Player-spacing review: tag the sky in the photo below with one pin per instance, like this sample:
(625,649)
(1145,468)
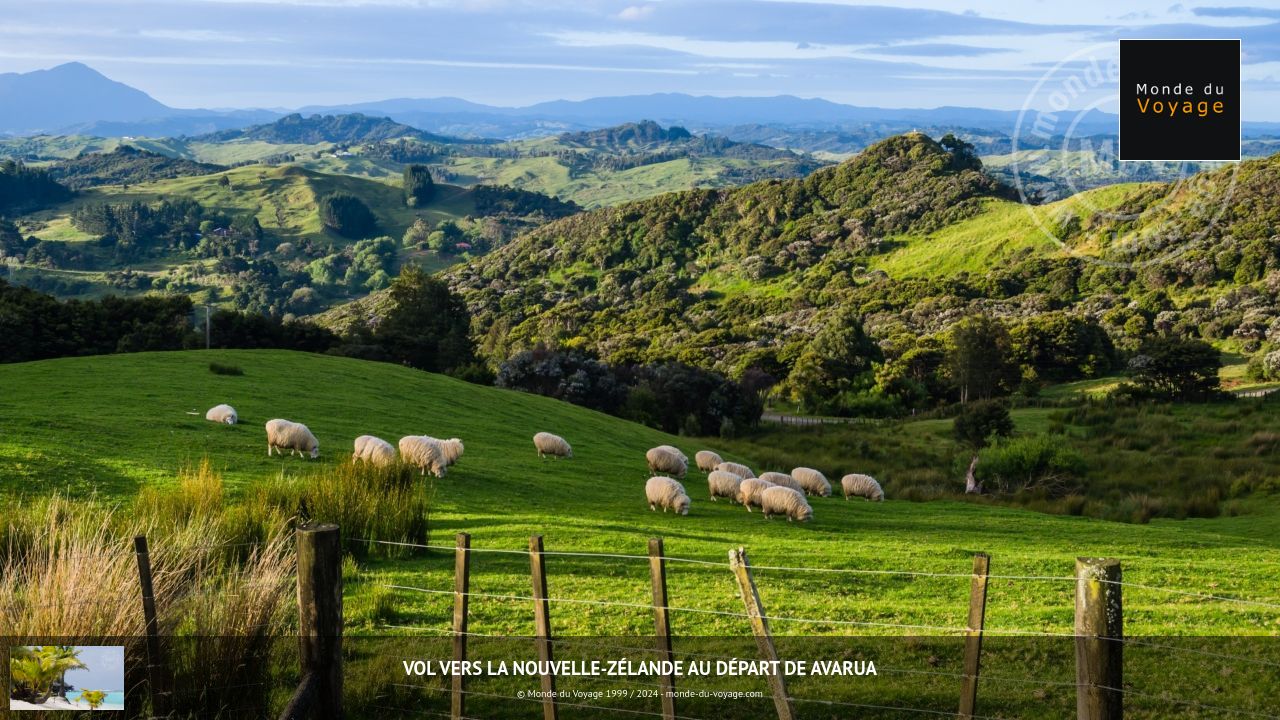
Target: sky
(106,669)
(900,53)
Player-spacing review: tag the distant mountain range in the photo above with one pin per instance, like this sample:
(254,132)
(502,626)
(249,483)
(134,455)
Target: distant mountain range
(76,99)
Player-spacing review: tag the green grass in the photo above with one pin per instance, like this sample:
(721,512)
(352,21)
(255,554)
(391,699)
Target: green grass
(106,426)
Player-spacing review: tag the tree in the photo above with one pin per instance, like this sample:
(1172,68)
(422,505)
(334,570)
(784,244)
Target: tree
(94,698)
(347,215)
(829,366)
(418,186)
(980,358)
(1174,368)
(428,326)
(974,427)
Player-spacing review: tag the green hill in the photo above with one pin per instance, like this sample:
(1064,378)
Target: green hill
(105,426)
(348,128)
(125,165)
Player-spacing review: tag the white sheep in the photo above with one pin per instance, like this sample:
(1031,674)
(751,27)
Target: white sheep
(863,486)
(707,460)
(677,451)
(749,492)
(222,414)
(666,459)
(785,501)
(295,437)
(552,445)
(738,469)
(424,453)
(783,479)
(452,450)
(813,482)
(723,484)
(666,493)
(373,450)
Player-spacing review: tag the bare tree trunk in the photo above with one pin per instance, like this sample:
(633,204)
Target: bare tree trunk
(971,484)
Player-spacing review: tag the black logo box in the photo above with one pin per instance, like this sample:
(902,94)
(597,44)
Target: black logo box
(1185,65)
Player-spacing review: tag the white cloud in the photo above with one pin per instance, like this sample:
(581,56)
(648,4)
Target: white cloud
(635,12)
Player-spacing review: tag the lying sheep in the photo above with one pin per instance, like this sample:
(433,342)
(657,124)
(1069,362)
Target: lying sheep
(452,450)
(783,479)
(552,445)
(749,492)
(424,453)
(723,484)
(785,501)
(295,437)
(666,459)
(813,482)
(707,460)
(663,492)
(863,486)
(738,469)
(373,450)
(222,414)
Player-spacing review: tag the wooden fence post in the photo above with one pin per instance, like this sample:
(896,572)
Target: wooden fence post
(461,588)
(542,627)
(1099,640)
(155,663)
(320,617)
(662,625)
(760,627)
(973,634)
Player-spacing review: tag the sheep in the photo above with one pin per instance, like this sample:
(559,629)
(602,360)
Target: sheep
(666,493)
(373,450)
(783,479)
(723,484)
(663,459)
(785,501)
(222,414)
(813,482)
(738,469)
(424,453)
(863,486)
(552,445)
(295,437)
(707,460)
(749,491)
(676,451)
(452,450)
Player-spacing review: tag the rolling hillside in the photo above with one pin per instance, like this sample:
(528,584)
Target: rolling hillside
(144,420)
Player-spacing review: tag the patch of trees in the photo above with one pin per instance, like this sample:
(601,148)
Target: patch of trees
(25,189)
(505,200)
(671,396)
(418,185)
(347,128)
(127,165)
(347,215)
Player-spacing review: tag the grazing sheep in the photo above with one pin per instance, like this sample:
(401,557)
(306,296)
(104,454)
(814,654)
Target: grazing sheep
(738,469)
(662,459)
(295,437)
(723,484)
(222,414)
(452,450)
(707,460)
(373,450)
(863,486)
(785,501)
(552,445)
(668,494)
(813,482)
(677,451)
(424,453)
(783,479)
(749,492)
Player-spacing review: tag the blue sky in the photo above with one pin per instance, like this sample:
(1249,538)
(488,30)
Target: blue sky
(106,669)
(909,53)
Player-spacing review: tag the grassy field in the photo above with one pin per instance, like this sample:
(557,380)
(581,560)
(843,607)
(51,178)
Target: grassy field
(105,427)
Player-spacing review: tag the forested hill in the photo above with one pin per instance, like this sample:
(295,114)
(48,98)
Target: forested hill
(902,242)
(349,128)
(658,143)
(127,165)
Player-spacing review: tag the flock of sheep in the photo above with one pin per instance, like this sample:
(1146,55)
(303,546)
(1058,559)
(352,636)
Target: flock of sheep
(775,493)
